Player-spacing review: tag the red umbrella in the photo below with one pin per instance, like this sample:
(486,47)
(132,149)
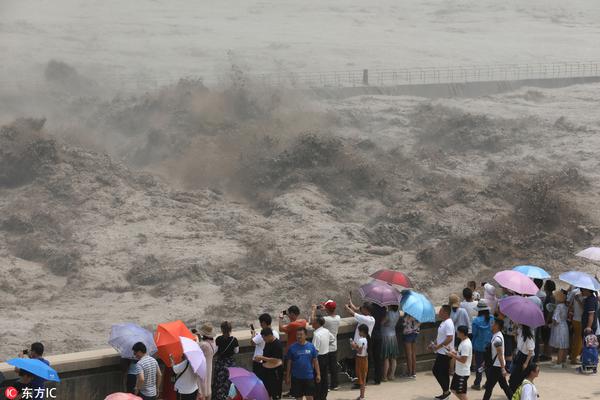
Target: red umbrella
(392,277)
(168,342)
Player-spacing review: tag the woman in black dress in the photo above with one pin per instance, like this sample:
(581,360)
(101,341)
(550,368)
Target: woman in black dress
(227,346)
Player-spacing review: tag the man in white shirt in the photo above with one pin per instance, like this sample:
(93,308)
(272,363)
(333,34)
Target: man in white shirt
(322,340)
(463,357)
(258,341)
(469,304)
(332,324)
(445,339)
(362,315)
(496,373)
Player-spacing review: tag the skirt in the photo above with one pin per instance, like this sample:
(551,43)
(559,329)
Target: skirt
(559,336)
(389,347)
(221,383)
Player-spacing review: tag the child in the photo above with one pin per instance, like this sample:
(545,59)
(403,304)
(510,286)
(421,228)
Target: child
(362,358)
(559,333)
(589,356)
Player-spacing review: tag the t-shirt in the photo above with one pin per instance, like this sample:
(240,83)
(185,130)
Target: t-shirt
(525,346)
(470,307)
(273,350)
(291,329)
(226,346)
(149,367)
(465,348)
(529,392)
(301,356)
(363,347)
(332,324)
(572,298)
(460,317)
(589,305)
(445,329)
(132,369)
(497,347)
(259,343)
(388,328)
(188,381)
(368,320)
(38,382)
(322,340)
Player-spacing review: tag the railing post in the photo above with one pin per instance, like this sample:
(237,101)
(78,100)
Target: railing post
(366,77)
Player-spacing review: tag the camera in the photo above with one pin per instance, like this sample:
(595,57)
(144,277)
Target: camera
(25,352)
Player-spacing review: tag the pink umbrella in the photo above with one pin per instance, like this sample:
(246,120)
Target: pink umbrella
(380,293)
(194,355)
(122,396)
(516,281)
(522,311)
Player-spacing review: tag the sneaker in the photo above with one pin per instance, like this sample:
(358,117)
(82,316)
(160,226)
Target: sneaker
(412,377)
(335,388)
(476,387)
(557,366)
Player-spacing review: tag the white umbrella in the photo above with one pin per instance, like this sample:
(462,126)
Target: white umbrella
(194,355)
(591,253)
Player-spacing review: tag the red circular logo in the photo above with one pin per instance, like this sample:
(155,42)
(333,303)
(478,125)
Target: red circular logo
(11,393)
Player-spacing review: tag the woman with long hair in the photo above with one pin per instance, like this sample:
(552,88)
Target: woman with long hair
(227,346)
(410,332)
(559,329)
(525,353)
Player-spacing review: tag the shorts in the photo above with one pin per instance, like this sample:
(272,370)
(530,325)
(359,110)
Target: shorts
(410,338)
(302,387)
(361,369)
(459,384)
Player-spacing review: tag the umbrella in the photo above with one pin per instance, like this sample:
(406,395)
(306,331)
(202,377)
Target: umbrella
(248,384)
(392,277)
(124,336)
(167,340)
(580,280)
(532,271)
(195,356)
(516,281)
(36,367)
(418,306)
(591,253)
(380,293)
(122,396)
(522,311)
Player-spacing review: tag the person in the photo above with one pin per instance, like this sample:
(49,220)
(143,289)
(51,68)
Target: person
(148,374)
(527,390)
(549,302)
(130,374)
(469,304)
(227,346)
(482,336)
(209,348)
(258,342)
(379,313)
(525,353)
(589,319)
(361,315)
(322,340)
(272,361)
(496,369)
(445,338)
(186,380)
(575,302)
(389,348)
(463,357)
(290,329)
(24,385)
(410,332)
(332,324)
(489,296)
(559,333)
(459,317)
(361,346)
(473,286)
(589,355)
(302,367)
(509,333)
(36,351)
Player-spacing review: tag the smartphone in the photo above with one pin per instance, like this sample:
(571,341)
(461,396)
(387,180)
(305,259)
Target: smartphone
(319,307)
(25,352)
(284,312)
(252,327)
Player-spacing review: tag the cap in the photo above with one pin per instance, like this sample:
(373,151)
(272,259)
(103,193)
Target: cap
(454,300)
(329,304)
(482,306)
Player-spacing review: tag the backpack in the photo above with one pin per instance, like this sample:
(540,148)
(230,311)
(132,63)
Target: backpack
(519,391)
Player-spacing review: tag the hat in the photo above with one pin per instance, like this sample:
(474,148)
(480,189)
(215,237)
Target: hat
(206,330)
(454,300)
(482,306)
(329,304)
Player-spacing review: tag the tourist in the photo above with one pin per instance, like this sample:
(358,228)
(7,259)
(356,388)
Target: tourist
(410,331)
(589,319)
(559,333)
(361,347)
(361,315)
(24,385)
(575,302)
(589,356)
(148,374)
(390,350)
(302,367)
(459,317)
(548,302)
(130,374)
(489,296)
(463,358)
(332,324)
(36,351)
(445,339)
(272,363)
(528,391)
(258,342)
(376,342)
(186,380)
(209,348)
(525,353)
(227,346)
(295,322)
(482,337)
(495,363)
(473,286)
(469,304)
(322,340)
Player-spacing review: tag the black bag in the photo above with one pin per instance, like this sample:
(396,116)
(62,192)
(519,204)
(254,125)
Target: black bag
(174,378)
(489,359)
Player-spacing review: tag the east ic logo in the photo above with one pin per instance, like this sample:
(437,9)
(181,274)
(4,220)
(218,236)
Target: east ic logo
(28,393)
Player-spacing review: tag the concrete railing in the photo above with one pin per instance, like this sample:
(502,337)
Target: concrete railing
(91,375)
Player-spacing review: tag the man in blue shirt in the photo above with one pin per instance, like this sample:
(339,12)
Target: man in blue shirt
(589,319)
(302,367)
(37,384)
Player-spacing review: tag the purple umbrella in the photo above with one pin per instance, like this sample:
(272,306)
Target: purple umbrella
(516,281)
(522,311)
(380,293)
(248,384)
(195,356)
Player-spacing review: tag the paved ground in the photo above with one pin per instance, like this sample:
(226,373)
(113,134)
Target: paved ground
(552,384)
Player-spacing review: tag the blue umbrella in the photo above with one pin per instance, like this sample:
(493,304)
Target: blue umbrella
(532,271)
(580,280)
(36,367)
(124,336)
(418,306)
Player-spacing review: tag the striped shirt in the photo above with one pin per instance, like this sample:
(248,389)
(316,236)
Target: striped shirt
(149,367)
